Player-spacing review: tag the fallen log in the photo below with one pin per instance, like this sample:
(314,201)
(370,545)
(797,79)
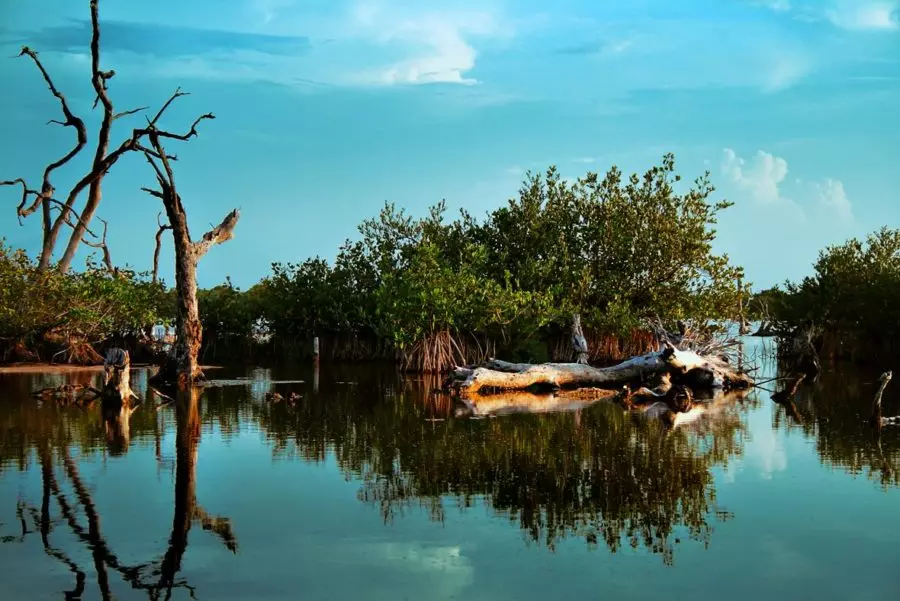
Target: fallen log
(687,367)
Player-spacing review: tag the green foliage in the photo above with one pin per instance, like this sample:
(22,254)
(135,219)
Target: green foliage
(852,294)
(91,306)
(616,251)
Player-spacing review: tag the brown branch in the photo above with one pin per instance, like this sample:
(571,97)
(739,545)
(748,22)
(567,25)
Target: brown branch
(162,228)
(219,234)
(153,153)
(191,133)
(47,189)
(107,258)
(67,212)
(25,194)
(153,192)
(131,112)
(100,77)
(130,144)
(178,94)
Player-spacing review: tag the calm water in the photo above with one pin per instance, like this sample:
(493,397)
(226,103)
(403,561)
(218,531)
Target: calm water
(362,490)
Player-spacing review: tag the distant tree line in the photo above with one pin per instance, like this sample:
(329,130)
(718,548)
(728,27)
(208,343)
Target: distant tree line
(849,306)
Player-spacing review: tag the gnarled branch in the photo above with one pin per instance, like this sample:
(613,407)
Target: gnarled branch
(162,228)
(219,234)
(107,258)
(47,189)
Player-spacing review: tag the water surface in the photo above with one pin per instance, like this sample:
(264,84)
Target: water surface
(367,487)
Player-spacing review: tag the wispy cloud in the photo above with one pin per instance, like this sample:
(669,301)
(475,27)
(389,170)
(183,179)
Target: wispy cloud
(763,178)
(852,15)
(861,15)
(436,44)
(162,41)
(833,198)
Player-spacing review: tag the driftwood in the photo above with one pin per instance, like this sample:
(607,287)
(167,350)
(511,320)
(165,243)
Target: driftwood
(115,393)
(686,366)
(579,342)
(877,420)
(785,398)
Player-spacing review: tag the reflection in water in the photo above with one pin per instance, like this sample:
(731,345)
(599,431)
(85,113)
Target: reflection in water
(833,411)
(117,424)
(54,440)
(597,473)
(593,473)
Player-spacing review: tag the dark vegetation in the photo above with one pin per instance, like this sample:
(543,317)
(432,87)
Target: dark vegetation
(847,309)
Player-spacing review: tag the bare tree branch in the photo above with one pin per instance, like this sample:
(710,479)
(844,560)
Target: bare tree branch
(162,228)
(178,94)
(67,212)
(191,133)
(107,258)
(131,112)
(219,234)
(25,194)
(47,189)
(99,80)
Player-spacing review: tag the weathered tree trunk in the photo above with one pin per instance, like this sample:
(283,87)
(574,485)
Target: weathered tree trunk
(182,365)
(159,232)
(877,419)
(579,342)
(117,377)
(116,400)
(704,372)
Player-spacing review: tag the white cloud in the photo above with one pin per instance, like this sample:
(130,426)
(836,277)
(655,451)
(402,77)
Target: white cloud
(861,15)
(833,198)
(436,43)
(853,15)
(617,47)
(776,5)
(785,70)
(764,175)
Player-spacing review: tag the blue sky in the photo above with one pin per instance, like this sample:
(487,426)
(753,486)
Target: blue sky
(328,108)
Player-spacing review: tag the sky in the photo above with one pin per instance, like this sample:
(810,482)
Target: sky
(326,109)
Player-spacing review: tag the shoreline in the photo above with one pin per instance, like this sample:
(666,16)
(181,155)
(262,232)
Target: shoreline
(64,368)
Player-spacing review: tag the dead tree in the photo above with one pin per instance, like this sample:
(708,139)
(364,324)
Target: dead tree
(877,420)
(159,232)
(579,342)
(181,366)
(107,257)
(689,366)
(104,158)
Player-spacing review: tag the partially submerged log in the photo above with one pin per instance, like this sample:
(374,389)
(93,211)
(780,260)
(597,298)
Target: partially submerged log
(687,366)
(877,420)
(117,378)
(116,391)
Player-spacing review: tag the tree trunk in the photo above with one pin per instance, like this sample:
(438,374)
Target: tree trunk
(579,342)
(117,378)
(689,367)
(182,365)
(80,228)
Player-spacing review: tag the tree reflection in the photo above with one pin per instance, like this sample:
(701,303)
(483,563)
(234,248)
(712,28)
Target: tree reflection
(54,435)
(833,411)
(598,473)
